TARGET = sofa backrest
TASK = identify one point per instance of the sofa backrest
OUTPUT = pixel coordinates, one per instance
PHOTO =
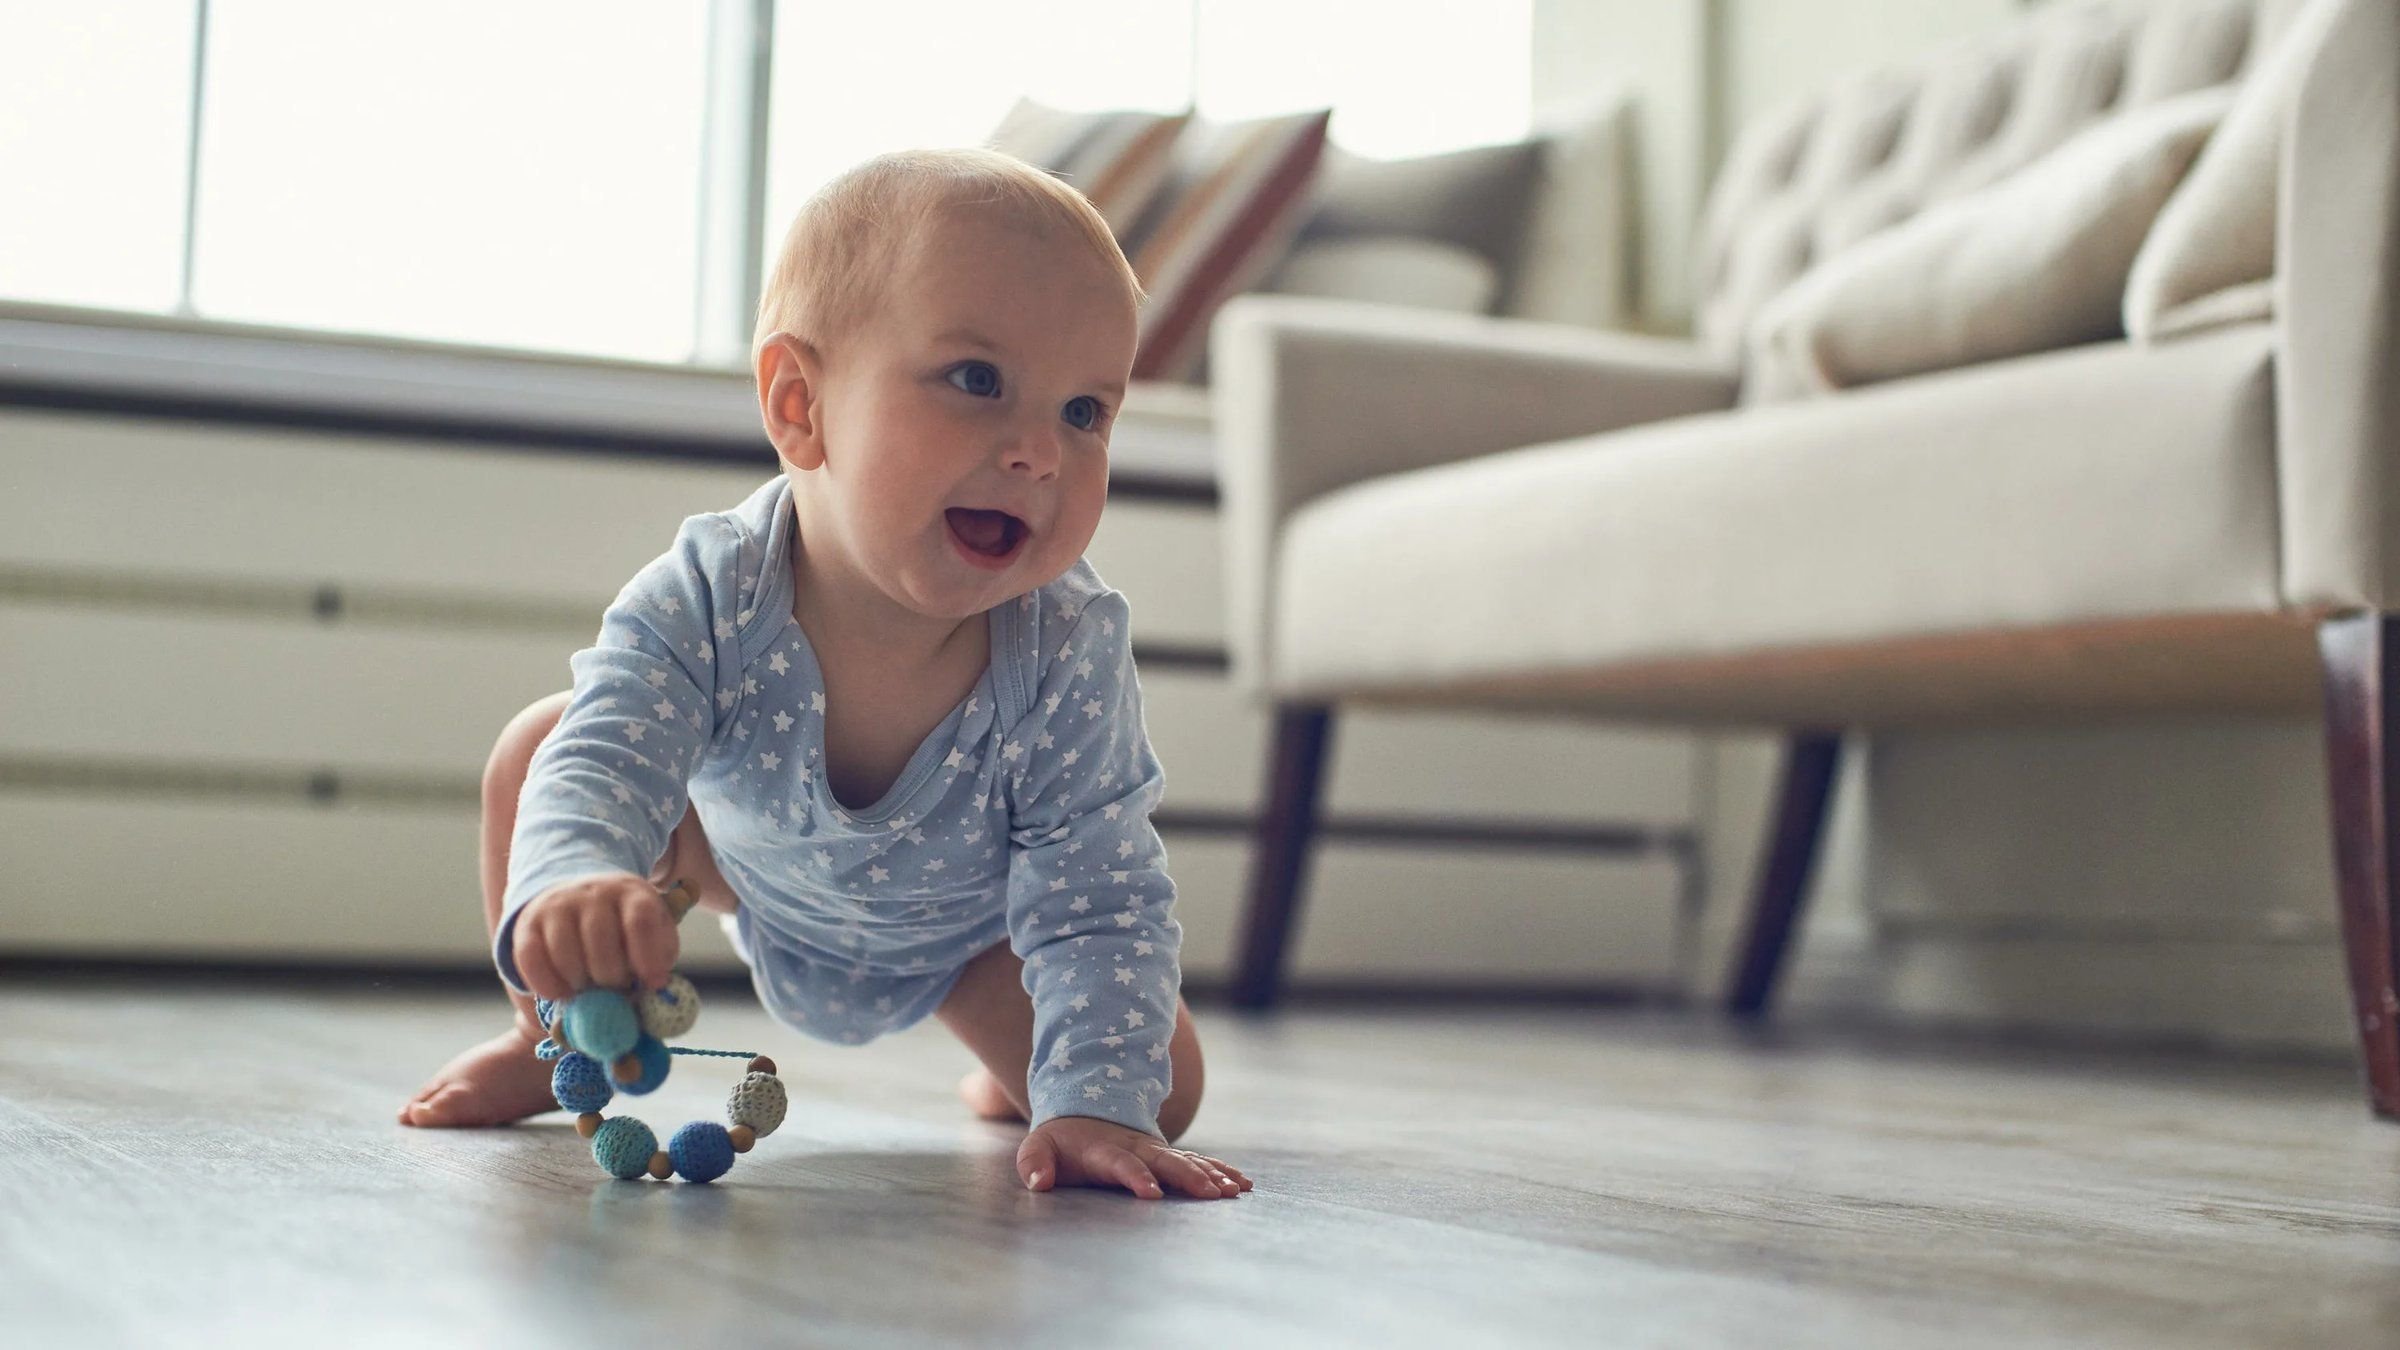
(1807, 179)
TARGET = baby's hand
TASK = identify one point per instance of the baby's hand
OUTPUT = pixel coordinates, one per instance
(600, 932)
(1083, 1151)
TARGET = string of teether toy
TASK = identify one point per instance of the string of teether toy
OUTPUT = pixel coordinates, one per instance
(629, 1035)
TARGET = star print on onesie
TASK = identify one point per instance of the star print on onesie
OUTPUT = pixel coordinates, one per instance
(1024, 817)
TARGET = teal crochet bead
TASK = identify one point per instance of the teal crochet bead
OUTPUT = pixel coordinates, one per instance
(701, 1151)
(580, 1084)
(600, 1023)
(622, 1146)
(652, 1052)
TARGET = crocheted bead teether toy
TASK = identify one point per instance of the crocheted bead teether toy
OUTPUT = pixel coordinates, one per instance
(605, 1043)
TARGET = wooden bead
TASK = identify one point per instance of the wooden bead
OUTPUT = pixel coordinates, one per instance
(661, 1166)
(761, 1064)
(681, 898)
(588, 1124)
(743, 1137)
(628, 1069)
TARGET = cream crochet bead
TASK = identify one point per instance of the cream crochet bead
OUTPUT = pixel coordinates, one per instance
(758, 1101)
(668, 1013)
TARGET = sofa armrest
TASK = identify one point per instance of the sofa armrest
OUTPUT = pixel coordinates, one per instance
(2337, 274)
(1313, 395)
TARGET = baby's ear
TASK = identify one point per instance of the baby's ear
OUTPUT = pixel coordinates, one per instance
(790, 382)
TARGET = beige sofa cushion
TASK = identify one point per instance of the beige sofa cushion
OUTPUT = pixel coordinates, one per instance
(1545, 215)
(2032, 263)
(2208, 259)
(1474, 199)
(1390, 270)
(2107, 482)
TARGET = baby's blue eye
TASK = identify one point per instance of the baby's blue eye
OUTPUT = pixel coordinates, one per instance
(982, 380)
(1082, 412)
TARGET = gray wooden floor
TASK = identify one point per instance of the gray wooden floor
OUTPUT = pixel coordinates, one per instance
(197, 1164)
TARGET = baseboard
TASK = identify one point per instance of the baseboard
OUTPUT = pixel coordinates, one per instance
(1325, 992)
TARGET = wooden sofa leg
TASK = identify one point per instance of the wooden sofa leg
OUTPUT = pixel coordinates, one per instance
(1798, 825)
(2362, 762)
(1279, 857)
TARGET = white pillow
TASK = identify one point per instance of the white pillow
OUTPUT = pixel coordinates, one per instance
(1391, 269)
(2217, 233)
(2033, 262)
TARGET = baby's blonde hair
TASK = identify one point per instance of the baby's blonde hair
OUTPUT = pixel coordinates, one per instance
(851, 234)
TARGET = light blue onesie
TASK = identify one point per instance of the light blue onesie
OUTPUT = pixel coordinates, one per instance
(1024, 817)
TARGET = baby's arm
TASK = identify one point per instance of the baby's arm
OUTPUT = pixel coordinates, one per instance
(1091, 914)
(607, 787)
(1090, 902)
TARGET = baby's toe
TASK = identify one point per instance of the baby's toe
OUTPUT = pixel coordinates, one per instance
(438, 1105)
(983, 1095)
(488, 1084)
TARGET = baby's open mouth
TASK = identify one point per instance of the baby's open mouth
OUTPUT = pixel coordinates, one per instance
(994, 534)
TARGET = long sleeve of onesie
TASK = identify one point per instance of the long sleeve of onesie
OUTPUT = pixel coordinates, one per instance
(607, 789)
(1089, 900)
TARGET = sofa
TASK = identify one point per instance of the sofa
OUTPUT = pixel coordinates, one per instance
(2046, 376)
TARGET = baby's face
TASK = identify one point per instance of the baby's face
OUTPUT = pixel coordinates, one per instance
(983, 380)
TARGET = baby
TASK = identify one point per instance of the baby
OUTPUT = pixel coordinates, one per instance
(882, 716)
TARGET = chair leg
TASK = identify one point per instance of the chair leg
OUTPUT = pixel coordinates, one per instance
(1279, 858)
(1810, 761)
(2361, 663)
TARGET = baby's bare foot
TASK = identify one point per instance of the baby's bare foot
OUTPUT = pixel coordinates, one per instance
(488, 1084)
(981, 1092)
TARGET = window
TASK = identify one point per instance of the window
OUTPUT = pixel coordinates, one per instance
(1400, 83)
(532, 174)
(522, 175)
(1402, 80)
(95, 115)
(854, 80)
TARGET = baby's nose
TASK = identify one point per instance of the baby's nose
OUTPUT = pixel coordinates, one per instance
(1034, 451)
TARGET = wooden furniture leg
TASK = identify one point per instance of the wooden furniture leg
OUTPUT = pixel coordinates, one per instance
(2361, 756)
(1279, 861)
(1798, 826)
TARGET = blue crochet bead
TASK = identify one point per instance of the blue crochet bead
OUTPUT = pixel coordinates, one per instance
(600, 1023)
(548, 1049)
(545, 1009)
(652, 1052)
(580, 1084)
(701, 1151)
(622, 1146)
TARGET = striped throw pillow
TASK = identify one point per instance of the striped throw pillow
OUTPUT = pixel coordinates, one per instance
(1237, 195)
(1117, 159)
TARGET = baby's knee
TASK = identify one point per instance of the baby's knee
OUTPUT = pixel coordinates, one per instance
(513, 752)
(1190, 1078)
(1176, 1116)
(687, 858)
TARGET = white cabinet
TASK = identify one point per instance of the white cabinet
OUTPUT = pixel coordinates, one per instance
(251, 676)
